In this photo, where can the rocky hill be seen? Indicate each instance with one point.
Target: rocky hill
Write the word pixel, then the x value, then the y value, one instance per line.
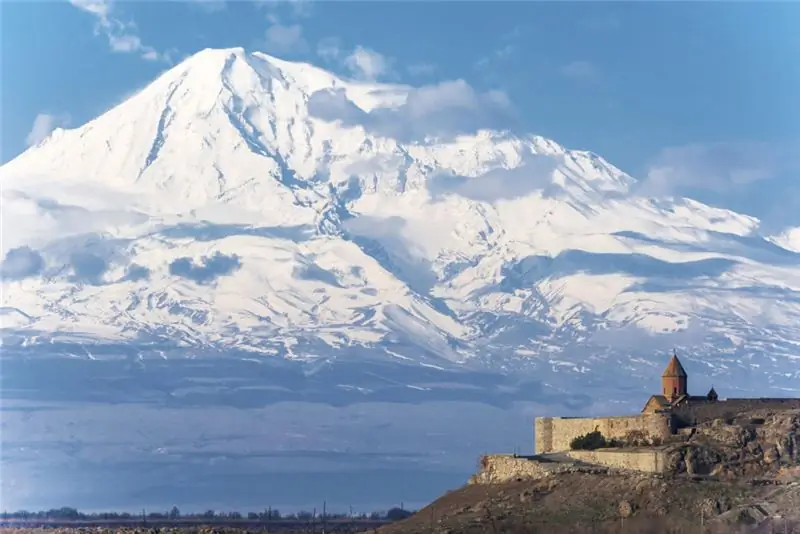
pixel 749 444
pixel 738 475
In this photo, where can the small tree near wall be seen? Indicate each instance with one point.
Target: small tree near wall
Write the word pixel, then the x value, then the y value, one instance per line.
pixel 589 442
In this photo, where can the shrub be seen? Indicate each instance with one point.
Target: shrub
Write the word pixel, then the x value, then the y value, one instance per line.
pixel 398 514
pixel 589 442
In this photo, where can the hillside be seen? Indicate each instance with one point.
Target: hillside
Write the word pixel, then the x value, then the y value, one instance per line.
pixel 741 475
pixel 244 204
pixel 583 503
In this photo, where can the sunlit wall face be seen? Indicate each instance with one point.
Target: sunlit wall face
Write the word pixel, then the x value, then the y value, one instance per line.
pixel 346 289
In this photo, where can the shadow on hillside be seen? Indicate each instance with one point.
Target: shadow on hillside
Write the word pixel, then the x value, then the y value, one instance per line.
pixel 529 270
pixel 206 231
pixel 751 246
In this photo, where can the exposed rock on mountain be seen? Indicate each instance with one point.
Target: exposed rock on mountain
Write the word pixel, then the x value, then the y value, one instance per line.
pixel 244 204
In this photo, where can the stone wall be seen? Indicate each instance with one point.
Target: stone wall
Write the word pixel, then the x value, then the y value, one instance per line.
pixel 543 434
pixel 554 434
pixel 700 412
pixel 646 461
pixel 500 468
pixel 497 468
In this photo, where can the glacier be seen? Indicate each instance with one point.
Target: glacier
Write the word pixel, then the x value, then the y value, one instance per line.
pixel 248 235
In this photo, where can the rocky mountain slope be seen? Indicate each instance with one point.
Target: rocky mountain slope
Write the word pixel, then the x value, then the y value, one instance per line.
pixel 241 204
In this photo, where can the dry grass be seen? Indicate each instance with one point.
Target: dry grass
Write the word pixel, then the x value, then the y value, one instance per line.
pixel 586 503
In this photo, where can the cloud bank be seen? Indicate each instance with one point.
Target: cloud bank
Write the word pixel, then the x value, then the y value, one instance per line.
pixel 720 166
pixel 440 111
pixel 534 174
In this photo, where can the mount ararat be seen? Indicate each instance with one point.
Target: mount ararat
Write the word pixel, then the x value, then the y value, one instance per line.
pixel 241 202
pixel 337 242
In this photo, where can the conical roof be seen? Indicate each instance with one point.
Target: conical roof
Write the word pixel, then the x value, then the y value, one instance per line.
pixel 674 367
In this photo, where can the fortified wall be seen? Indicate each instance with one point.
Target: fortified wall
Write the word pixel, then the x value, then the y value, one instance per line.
pixel 661 418
pixel 500 468
pixel 642 460
pixel 703 411
pixel 554 434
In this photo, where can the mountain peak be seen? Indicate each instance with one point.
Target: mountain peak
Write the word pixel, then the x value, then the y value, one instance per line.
pixel 245 202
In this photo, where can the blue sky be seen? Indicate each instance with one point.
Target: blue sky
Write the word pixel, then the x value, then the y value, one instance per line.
pixel 651 86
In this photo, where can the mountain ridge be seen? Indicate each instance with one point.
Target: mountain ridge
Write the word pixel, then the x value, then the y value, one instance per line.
pixel 242 202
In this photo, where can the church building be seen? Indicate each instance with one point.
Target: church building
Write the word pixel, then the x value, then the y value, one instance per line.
pixel 674 391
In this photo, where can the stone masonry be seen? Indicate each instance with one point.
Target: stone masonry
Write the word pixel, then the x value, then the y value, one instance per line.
pixel 500 468
pixel 553 434
pixel 645 460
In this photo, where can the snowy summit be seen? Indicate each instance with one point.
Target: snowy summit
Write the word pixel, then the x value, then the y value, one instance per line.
pixel 245 204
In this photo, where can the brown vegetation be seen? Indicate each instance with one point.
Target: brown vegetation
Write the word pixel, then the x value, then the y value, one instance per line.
pixel 588 503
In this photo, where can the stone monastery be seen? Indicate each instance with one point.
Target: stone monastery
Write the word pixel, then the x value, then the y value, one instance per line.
pixel 662 416
pixel 644 438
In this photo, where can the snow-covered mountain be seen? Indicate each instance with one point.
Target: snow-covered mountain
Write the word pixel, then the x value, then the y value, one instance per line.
pixel 249 206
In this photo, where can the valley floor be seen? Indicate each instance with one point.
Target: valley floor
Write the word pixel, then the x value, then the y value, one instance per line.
pixel 280 527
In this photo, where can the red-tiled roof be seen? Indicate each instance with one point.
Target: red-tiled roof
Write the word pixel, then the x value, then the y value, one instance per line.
pixel 674 368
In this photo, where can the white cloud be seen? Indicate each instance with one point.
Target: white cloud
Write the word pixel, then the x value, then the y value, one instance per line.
pixel 152 55
pixel 362 63
pixel 124 43
pixel 719 166
pixel 121 36
pixel 281 38
pixel 99 8
pixel 369 65
pixel 441 110
pixel 534 173
pixel 43 125
pixel 580 70
pixel 751 177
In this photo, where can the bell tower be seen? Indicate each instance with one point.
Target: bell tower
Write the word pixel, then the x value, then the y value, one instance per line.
pixel 673 381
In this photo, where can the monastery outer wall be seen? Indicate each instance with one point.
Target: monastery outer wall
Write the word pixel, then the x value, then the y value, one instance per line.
pixel 554 434
pixel 499 468
pixel 646 461
pixel 698 411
